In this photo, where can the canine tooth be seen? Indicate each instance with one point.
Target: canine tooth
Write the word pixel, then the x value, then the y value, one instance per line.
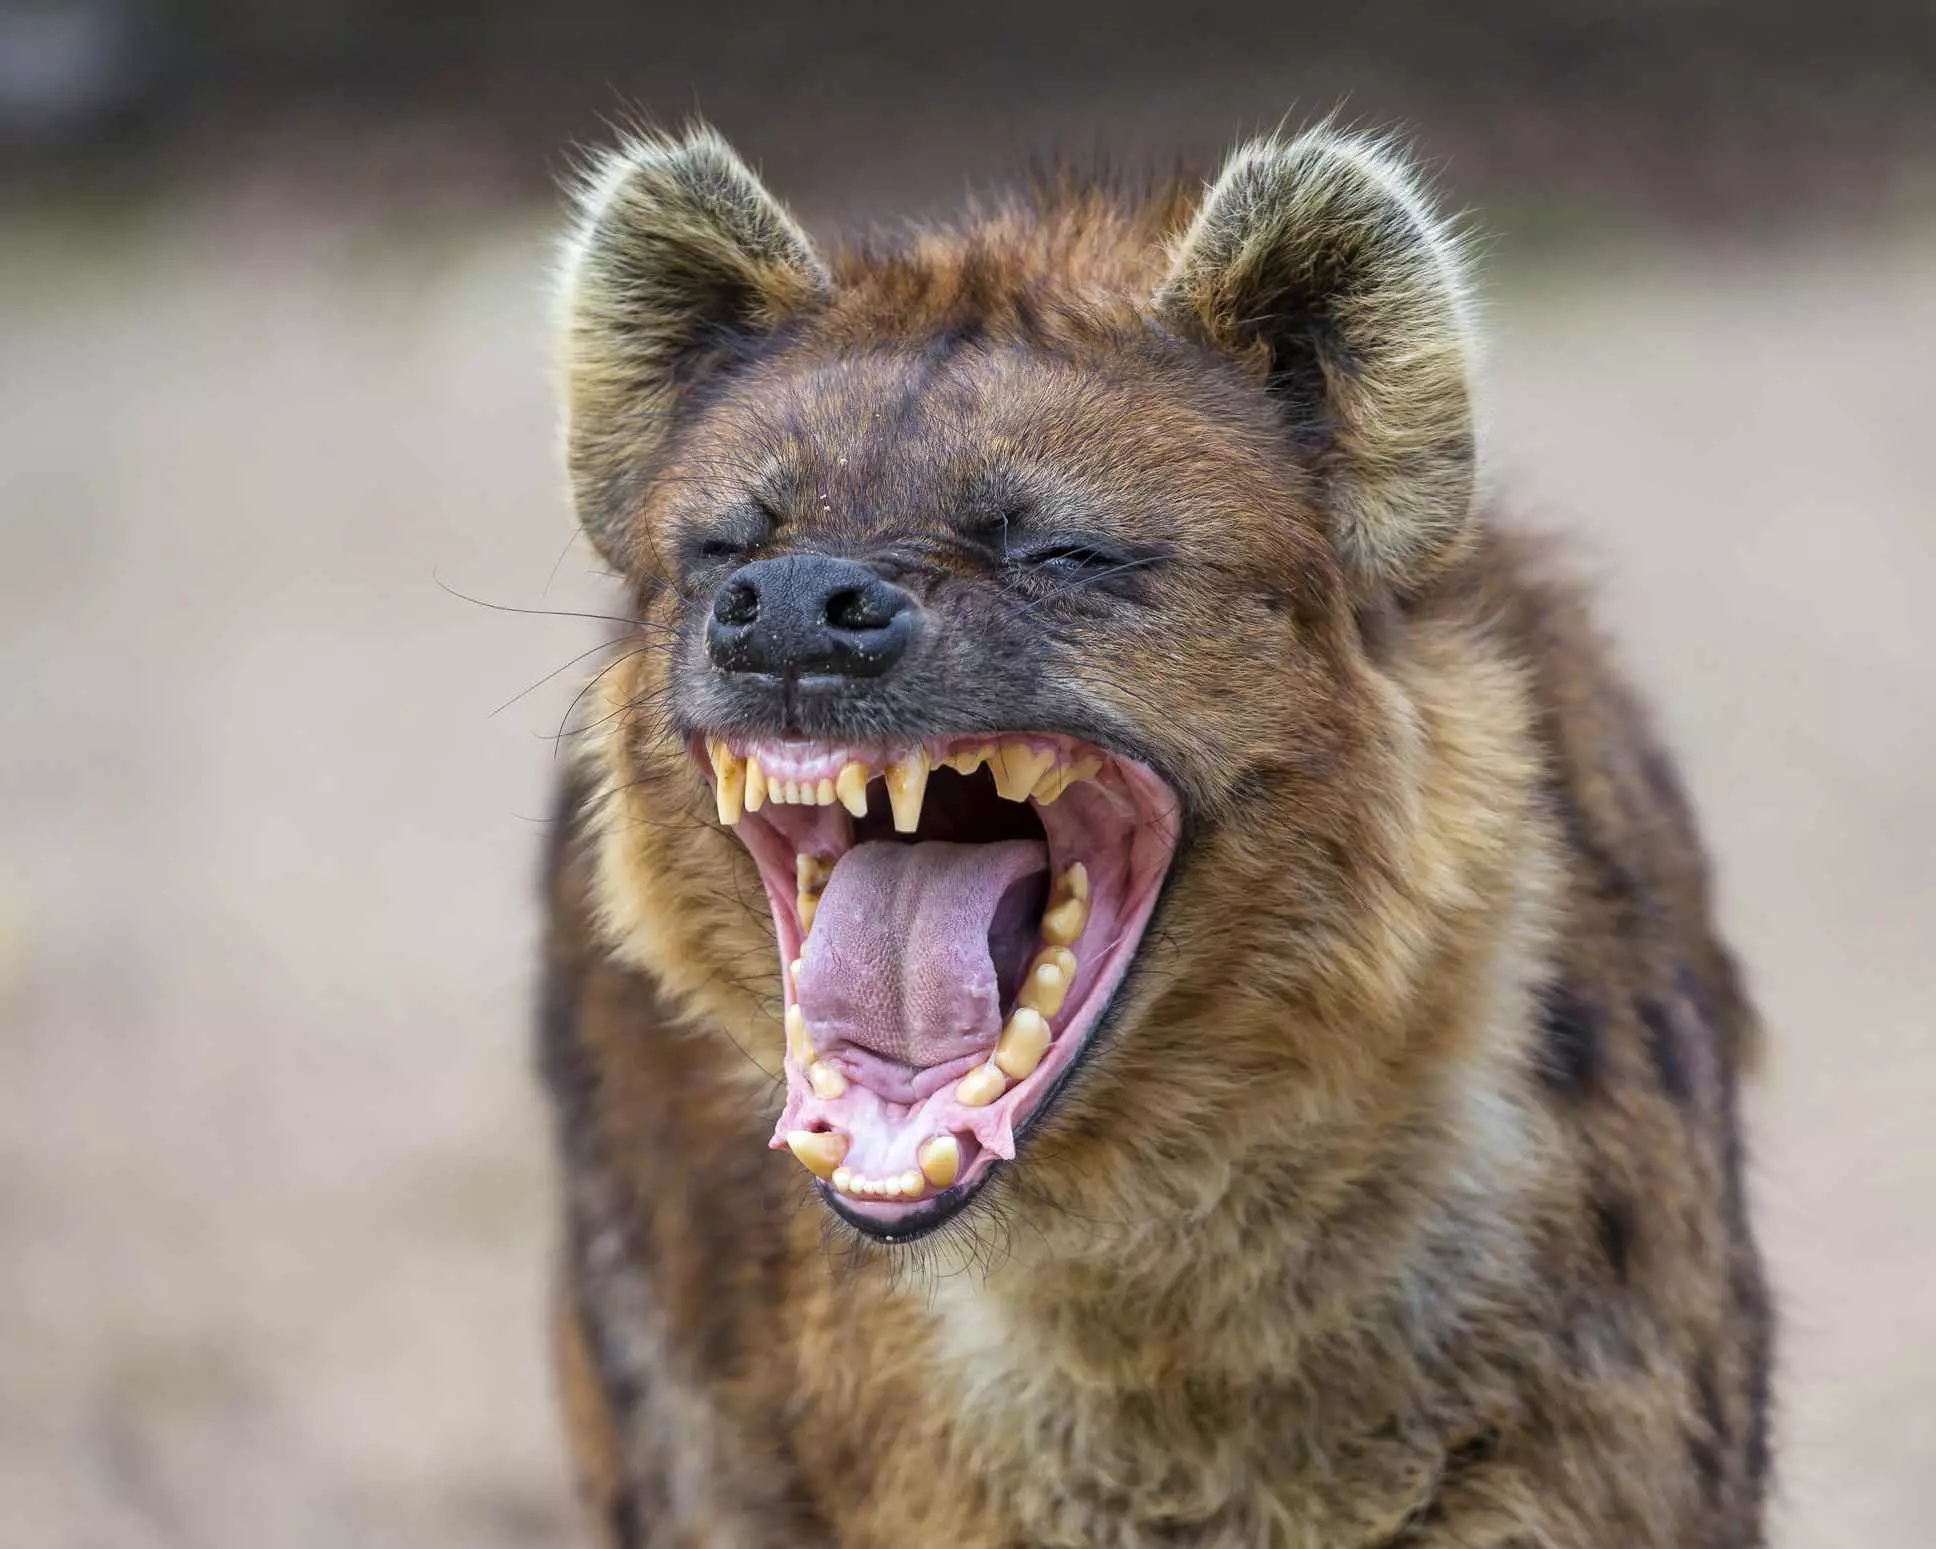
pixel 1017 767
pixel 806 905
pixel 911 1184
pixel 755 785
pixel 850 785
pixel 1059 779
pixel 1048 981
pixel 1062 924
pixel 967 761
pixel 824 794
pixel 729 781
pixel 827 1083
pixel 810 872
pixel 842 1180
pixel 940 1159
pixel 980 1087
pixel 819 1153
pixel 799 1040
pixel 907 788
pixel 1024 1041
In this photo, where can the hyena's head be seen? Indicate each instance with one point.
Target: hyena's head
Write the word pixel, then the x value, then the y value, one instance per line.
pixel 1011 606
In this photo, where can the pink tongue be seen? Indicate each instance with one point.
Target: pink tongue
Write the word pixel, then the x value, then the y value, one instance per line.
pixel 898 963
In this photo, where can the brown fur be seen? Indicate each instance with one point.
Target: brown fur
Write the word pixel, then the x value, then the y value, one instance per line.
pixel 1400 1201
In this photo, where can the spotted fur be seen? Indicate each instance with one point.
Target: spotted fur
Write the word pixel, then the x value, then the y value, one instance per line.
pixel 1400 1201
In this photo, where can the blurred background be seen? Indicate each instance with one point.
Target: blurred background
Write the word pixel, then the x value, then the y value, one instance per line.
pixel 276 458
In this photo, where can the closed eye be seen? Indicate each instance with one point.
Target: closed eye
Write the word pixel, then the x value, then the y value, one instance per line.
pixel 1088 564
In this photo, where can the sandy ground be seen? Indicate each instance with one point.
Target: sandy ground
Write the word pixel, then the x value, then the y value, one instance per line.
pixel 273 1176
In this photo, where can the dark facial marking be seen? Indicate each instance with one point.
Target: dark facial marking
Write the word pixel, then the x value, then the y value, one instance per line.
pixel 1665 1046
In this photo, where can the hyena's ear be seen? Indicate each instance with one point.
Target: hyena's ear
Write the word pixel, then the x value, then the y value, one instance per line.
pixel 678 255
pixel 1323 260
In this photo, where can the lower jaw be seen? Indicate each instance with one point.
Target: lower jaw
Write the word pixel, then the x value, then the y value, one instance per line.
pixel 897 1170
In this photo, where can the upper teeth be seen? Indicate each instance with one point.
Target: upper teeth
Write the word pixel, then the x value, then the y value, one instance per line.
pixel 1023 771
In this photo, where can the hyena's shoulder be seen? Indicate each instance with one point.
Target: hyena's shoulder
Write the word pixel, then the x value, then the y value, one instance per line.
pixel 1645 1036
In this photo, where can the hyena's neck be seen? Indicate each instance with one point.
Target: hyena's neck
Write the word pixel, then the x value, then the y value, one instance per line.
pixel 1330 1242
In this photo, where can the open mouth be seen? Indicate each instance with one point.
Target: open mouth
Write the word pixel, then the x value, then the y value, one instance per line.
pixel 953 918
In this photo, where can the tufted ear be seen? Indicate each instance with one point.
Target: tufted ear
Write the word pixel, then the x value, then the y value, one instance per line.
pixel 677 255
pixel 1323 259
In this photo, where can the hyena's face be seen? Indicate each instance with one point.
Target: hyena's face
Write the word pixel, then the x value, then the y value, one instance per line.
pixel 1006 595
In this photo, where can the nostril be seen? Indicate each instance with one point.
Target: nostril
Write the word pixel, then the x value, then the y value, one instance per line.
pixel 848 610
pixel 864 607
pixel 738 602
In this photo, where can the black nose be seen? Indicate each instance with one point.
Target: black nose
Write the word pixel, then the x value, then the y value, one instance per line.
pixel 807 615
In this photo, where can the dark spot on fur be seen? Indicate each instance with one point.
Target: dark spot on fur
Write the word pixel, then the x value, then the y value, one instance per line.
pixel 1569 1046
pixel 626 1531
pixel 1669 1054
pixel 1613 1222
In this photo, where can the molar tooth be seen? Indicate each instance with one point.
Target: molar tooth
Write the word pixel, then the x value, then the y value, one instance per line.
pixel 907 788
pixel 799 1040
pixel 1059 779
pixel 756 792
pixel 824 793
pixel 1024 1041
pixel 968 760
pixel 851 787
pixel 1048 981
pixel 1062 924
pixel 820 1153
pixel 1074 882
pixel 842 1180
pixel 940 1159
pixel 827 1083
pixel 980 1087
pixel 810 872
pixel 806 905
pixel 1017 767
pixel 793 970
pixel 911 1184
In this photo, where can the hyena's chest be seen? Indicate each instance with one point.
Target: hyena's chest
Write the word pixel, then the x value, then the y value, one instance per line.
pixel 966 1424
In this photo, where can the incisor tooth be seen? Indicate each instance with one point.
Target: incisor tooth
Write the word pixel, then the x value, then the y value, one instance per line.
pixel 1024 1041
pixel 755 785
pixel 940 1159
pixel 842 1180
pixel 810 872
pixel 827 1083
pixel 819 1153
pixel 1048 981
pixel 729 782
pixel 794 967
pixel 980 1087
pixel 1062 923
pixel 807 905
pixel 799 1041
pixel 1017 767
pixel 911 1184
pixel 851 787
pixel 793 793
pixel 907 788
pixel 824 794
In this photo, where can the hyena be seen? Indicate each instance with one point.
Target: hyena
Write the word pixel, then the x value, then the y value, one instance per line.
pixel 1121 969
